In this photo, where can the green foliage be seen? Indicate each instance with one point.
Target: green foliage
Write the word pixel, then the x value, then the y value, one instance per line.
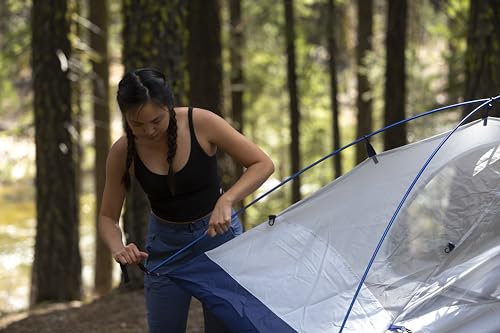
pixel 433 31
pixel 435 67
pixel 15 72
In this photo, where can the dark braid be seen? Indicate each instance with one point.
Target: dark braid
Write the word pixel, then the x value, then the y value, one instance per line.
pixel 172 148
pixel 130 156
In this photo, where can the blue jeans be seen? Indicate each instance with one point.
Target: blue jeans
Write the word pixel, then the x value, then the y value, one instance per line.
pixel 167 304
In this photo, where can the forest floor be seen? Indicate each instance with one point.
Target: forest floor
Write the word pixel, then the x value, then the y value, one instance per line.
pixel 117 312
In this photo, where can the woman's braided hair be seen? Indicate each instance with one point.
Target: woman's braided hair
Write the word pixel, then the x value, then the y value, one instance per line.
pixel 136 89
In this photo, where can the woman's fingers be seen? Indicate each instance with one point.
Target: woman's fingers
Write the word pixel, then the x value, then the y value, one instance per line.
pixel 130 254
pixel 136 253
pixel 119 258
pixel 218 228
pixel 211 231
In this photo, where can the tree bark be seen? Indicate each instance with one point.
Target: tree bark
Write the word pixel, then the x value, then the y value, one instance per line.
pixel 293 96
pixel 456 54
pixel 395 74
pixel 332 65
pixel 154 35
pixel 98 14
pixel 236 58
pixel 236 44
pixel 204 54
pixel 56 274
pixel 204 64
pixel 364 92
pixel 482 62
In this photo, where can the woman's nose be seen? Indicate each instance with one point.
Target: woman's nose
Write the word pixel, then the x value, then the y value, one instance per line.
pixel 149 130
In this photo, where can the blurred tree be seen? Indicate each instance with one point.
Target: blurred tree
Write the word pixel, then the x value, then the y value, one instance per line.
pixel 56 274
pixel 395 73
pixel 204 51
pixel 15 68
pixel 204 64
pixel 77 79
pixel 236 44
pixel 237 83
pixel 364 94
pixel 98 16
pixel 482 61
pixel 456 17
pixel 331 25
pixel 264 99
pixel 154 35
pixel 293 96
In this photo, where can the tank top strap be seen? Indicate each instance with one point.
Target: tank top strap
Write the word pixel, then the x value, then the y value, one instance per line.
pixel 194 141
pixel 190 119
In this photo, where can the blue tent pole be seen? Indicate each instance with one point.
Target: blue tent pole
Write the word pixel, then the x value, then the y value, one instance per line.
pixel 298 173
pixel 487 102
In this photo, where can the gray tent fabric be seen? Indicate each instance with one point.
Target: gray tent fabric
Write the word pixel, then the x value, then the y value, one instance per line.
pixel 441 260
pixel 438 268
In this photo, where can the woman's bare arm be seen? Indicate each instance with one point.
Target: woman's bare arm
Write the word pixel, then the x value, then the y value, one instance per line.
pixel 258 166
pixel 111 206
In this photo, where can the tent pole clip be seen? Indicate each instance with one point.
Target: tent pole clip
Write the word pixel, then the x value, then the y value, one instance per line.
pixel 449 248
pixel 272 219
pixel 370 151
pixel 487 112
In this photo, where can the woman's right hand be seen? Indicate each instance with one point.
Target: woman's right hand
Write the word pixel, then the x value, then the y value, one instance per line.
pixel 129 254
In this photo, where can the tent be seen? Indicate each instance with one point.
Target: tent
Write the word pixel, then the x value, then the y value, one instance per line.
pixel 407 240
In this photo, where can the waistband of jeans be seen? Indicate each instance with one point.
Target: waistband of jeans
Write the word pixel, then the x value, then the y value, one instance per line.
pixel 197 223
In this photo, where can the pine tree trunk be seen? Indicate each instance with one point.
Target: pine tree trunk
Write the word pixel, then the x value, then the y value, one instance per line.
pixel 56 272
pixel 204 52
pixel 395 74
pixel 236 58
pixel 364 93
pixel 482 61
pixel 456 55
pixel 98 14
pixel 76 87
pixel 204 64
pixel 293 95
pixel 157 42
pixel 332 65
pixel 236 44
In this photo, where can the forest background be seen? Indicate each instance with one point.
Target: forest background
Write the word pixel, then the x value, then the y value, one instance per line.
pixel 300 78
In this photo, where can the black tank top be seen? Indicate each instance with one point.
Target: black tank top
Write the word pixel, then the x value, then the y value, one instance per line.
pixel 197 185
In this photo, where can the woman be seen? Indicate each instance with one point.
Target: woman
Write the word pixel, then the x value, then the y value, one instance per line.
pixel 171 152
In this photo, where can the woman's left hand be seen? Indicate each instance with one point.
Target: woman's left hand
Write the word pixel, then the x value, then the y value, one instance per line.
pixel 220 220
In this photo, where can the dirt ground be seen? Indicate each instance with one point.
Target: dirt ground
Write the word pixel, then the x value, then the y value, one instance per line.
pixel 118 312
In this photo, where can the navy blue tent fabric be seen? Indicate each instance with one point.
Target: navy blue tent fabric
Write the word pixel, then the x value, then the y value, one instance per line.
pixel 226 298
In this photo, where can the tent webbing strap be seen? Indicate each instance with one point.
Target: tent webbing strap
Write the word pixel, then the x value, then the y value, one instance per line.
pixel 399 329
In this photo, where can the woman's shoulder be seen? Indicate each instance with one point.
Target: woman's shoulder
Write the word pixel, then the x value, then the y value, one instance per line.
pixel 197 111
pixel 204 118
pixel 120 145
pixel 118 150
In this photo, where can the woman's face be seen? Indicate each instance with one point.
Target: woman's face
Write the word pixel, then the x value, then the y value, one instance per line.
pixel 149 123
